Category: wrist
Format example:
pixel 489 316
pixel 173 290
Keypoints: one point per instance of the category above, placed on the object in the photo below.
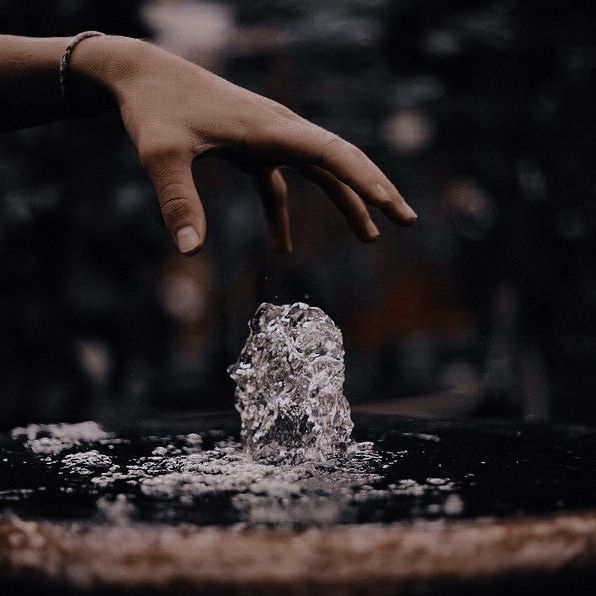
pixel 100 67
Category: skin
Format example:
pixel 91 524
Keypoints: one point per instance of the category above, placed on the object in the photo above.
pixel 175 111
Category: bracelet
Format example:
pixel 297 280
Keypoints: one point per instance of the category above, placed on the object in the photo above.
pixel 65 62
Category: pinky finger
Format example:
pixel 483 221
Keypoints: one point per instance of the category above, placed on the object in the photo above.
pixel 274 195
pixel 346 200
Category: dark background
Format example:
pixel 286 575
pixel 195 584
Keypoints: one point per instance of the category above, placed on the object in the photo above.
pixel 483 114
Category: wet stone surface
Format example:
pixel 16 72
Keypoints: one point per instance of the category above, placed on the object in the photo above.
pixel 192 469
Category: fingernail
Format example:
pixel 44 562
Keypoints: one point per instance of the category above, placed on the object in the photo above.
pixel 372 230
pixel 397 208
pixel 187 239
pixel 383 194
pixel 411 213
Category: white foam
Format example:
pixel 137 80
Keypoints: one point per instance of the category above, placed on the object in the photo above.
pixel 55 438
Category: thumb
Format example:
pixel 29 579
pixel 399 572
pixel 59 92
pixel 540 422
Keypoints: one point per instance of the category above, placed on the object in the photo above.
pixel 181 207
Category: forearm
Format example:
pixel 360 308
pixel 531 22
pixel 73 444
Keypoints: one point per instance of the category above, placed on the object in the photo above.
pixel 29 79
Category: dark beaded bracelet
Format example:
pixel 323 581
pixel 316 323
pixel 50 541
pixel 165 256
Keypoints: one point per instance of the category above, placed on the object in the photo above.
pixel 65 62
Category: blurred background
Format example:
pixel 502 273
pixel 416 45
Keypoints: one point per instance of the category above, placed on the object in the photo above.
pixel 483 114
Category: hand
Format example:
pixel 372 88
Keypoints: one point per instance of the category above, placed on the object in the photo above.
pixel 175 111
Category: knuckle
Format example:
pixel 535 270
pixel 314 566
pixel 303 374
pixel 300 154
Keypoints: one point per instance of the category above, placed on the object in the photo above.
pixel 384 202
pixel 171 188
pixel 332 146
pixel 176 210
pixel 361 213
pixel 264 127
pixel 282 132
pixel 284 111
pixel 154 152
pixel 273 131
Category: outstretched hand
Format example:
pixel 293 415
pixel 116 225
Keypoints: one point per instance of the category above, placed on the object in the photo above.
pixel 175 111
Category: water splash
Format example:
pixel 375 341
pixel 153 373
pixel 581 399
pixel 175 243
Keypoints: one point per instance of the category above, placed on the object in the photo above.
pixel 289 386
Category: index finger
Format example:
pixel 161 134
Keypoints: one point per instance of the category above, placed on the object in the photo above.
pixel 307 142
